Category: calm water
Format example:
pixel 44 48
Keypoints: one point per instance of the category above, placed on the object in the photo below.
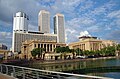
pixel 101 67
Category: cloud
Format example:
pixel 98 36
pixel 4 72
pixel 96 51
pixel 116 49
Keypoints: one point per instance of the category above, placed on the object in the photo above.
pixel 106 7
pixel 86 5
pixel 115 17
pixel 114 35
pixel 6 38
pixel 79 22
pixel 84 33
pixel 94 28
pixel 114 14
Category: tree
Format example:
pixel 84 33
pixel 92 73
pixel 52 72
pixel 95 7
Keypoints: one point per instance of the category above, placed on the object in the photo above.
pixel 40 51
pixel 34 53
pixel 58 49
pixel 37 51
pixel 118 47
pixel 73 52
pixel 78 51
pixel 86 52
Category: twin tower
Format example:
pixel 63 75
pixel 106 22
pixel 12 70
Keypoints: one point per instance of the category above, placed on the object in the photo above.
pixel 20 24
pixel 44 24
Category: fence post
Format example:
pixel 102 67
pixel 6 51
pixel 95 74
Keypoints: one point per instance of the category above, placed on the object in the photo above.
pixel 37 75
pixel 1 68
pixel 58 76
pixel 23 73
pixel 14 74
pixel 6 69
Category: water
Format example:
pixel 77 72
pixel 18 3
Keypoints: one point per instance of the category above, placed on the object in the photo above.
pixel 101 67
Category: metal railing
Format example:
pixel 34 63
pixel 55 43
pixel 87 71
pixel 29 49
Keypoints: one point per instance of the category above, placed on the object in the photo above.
pixel 30 73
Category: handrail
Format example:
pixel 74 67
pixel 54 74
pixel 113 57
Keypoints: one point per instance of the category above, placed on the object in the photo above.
pixel 39 72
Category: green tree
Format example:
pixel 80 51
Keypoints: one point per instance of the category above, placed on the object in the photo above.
pixel 78 51
pixel 118 47
pixel 73 52
pixel 86 52
pixel 58 49
pixel 37 51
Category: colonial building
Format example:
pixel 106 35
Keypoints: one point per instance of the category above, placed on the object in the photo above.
pixel 91 43
pixel 49 47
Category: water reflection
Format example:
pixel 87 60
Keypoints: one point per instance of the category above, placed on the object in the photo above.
pixel 77 65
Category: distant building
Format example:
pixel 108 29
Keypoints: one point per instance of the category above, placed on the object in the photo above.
pixel 44 21
pixel 59 28
pixel 91 43
pixel 3 51
pixel 3 47
pixel 48 45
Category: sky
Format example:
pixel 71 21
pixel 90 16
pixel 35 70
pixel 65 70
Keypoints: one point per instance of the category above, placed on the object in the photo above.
pixel 100 18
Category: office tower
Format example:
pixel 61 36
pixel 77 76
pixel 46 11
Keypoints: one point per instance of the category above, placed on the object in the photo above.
pixel 44 21
pixel 59 28
pixel 20 22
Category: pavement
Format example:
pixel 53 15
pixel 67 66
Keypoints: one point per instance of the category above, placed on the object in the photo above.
pixel 3 76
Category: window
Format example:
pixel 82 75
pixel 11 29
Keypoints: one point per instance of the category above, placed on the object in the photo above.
pixel 35 45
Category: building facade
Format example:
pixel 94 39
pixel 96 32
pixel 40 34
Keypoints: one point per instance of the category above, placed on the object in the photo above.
pixel 21 37
pixel 49 47
pixel 44 21
pixel 91 43
pixel 59 28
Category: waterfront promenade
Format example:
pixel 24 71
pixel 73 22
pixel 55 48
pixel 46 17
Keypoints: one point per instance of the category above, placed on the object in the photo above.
pixel 3 76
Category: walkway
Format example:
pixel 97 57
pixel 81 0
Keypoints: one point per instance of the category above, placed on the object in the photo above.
pixel 3 76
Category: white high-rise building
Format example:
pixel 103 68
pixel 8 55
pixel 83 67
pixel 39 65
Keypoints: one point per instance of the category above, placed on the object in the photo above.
pixel 44 21
pixel 59 28
pixel 20 22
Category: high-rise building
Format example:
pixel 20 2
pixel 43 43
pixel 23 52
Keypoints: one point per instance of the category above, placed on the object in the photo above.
pixel 59 28
pixel 20 22
pixel 44 21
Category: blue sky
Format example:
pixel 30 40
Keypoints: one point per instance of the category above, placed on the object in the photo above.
pixel 99 18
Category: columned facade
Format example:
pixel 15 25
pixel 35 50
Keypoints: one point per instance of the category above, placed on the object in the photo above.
pixel 29 45
pixel 91 44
